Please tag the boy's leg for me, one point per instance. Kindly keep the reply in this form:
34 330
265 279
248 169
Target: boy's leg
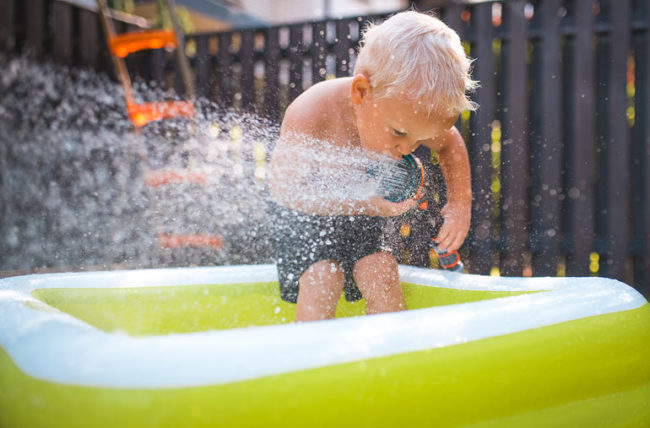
377 277
320 290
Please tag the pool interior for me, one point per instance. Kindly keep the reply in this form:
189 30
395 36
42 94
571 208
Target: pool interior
141 311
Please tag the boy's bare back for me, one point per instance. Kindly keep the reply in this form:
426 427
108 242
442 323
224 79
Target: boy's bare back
323 112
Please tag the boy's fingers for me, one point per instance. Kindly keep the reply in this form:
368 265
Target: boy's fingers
442 238
448 239
406 205
457 242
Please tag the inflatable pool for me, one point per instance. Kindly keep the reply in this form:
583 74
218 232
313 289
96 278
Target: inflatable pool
217 347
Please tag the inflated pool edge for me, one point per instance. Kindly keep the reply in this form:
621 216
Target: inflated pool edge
575 353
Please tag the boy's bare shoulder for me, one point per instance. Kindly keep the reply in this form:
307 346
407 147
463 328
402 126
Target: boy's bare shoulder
312 111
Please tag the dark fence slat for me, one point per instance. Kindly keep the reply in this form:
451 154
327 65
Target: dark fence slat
618 157
295 61
642 277
91 43
580 192
158 66
179 84
248 70
272 75
225 60
514 153
318 52
202 64
342 48
641 157
480 147
36 26
451 15
63 32
7 26
546 166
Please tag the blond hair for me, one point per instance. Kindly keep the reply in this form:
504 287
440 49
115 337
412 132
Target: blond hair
416 56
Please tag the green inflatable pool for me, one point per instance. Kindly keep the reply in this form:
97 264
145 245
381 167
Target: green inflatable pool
212 347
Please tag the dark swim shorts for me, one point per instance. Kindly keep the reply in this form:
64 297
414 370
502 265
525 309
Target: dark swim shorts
301 240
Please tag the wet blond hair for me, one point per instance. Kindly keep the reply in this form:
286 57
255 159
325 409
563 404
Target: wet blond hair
416 56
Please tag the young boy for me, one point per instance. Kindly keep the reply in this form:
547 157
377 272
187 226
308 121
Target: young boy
409 86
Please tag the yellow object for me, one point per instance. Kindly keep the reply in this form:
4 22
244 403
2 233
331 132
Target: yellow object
217 347
405 230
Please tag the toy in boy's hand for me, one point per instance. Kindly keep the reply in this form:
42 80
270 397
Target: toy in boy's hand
404 180
449 260
400 180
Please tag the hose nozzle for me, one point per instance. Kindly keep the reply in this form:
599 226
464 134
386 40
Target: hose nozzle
401 180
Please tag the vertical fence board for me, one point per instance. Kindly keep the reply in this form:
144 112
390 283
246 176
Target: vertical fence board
480 147
7 26
63 43
248 70
272 75
295 61
641 157
318 52
617 160
546 166
179 85
580 191
451 17
36 25
642 278
342 48
202 66
225 61
89 39
158 67
514 153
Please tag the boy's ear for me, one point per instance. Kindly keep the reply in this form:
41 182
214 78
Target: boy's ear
360 88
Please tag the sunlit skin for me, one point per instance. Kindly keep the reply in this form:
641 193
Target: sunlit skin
344 112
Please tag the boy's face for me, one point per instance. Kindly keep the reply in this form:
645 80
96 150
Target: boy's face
394 127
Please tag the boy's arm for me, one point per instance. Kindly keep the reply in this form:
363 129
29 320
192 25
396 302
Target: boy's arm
454 162
302 180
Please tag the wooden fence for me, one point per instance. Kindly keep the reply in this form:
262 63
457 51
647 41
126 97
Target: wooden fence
560 146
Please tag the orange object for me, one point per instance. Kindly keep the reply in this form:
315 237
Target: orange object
450 265
196 241
160 178
419 194
423 205
141 114
123 44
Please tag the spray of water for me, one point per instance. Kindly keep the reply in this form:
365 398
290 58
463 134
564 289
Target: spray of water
80 188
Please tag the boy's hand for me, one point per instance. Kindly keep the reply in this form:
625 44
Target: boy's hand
455 227
384 208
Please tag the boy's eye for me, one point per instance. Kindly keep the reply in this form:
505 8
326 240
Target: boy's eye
399 133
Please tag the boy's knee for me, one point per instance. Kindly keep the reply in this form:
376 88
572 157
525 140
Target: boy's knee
325 276
376 270
375 263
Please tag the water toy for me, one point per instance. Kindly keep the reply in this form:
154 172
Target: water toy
401 180
404 180
217 347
